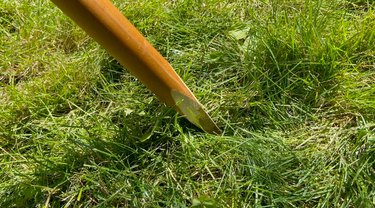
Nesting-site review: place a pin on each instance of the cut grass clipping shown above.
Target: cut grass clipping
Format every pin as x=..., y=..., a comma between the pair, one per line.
x=291, y=83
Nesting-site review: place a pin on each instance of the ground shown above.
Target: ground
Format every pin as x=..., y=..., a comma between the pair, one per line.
x=290, y=82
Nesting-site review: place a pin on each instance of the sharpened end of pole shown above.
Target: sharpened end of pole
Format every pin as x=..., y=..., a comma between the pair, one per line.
x=194, y=112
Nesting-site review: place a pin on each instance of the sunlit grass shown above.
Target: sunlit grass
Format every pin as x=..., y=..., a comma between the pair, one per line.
x=290, y=83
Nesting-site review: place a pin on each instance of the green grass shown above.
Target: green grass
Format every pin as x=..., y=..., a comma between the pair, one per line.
x=290, y=82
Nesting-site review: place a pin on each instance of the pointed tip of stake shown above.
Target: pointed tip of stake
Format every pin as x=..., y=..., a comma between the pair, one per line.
x=194, y=112
x=207, y=124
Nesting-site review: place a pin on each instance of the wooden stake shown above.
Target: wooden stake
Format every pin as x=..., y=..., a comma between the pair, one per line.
x=105, y=23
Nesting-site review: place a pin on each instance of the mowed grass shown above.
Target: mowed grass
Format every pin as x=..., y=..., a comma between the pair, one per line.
x=290, y=82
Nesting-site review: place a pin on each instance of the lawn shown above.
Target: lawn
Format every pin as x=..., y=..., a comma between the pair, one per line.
x=291, y=83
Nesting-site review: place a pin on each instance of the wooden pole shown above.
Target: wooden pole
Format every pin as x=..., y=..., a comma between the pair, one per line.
x=105, y=23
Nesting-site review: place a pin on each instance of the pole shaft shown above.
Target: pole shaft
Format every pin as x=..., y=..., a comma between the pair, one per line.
x=105, y=23
x=112, y=30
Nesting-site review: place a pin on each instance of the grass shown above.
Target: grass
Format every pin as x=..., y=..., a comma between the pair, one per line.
x=291, y=84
